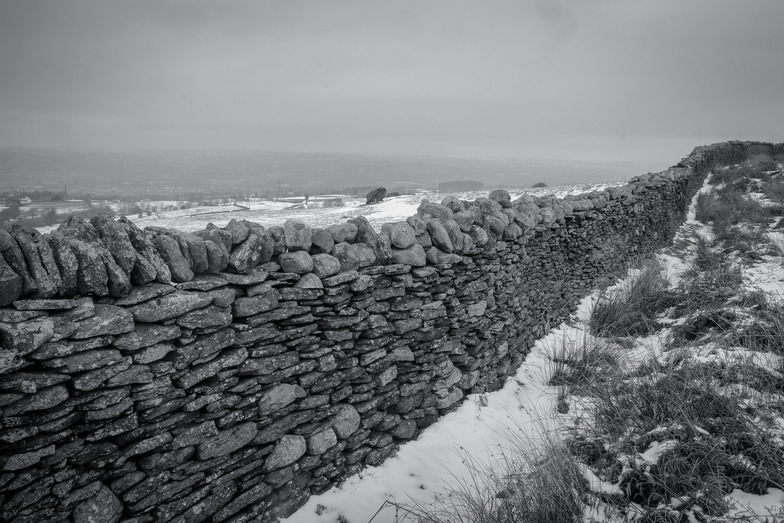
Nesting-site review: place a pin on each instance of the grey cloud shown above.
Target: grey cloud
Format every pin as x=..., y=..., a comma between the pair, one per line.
x=497, y=78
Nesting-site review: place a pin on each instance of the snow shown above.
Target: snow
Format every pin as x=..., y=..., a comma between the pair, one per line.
x=745, y=504
x=656, y=449
x=767, y=276
x=268, y=213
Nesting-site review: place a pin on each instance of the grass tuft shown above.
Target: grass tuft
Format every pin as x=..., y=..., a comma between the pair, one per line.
x=632, y=309
x=541, y=484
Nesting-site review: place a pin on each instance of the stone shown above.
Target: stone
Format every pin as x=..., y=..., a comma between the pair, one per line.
x=222, y=297
x=22, y=460
x=248, y=306
x=309, y=281
x=149, y=263
x=417, y=223
x=118, y=243
x=325, y=265
x=414, y=256
x=217, y=256
x=169, y=306
x=279, y=397
x=43, y=399
x=453, y=203
x=40, y=260
x=169, y=250
x=287, y=451
x=30, y=382
x=195, y=435
x=210, y=316
x=91, y=276
x=367, y=255
x=25, y=337
x=346, y=421
x=298, y=262
x=348, y=255
x=465, y=219
x=455, y=234
x=252, y=277
x=434, y=210
x=239, y=231
x=405, y=430
x=196, y=252
x=298, y=236
x=15, y=316
x=152, y=353
x=202, y=282
x=365, y=232
x=13, y=257
x=146, y=335
x=321, y=442
x=44, y=305
x=344, y=232
x=227, y=441
x=84, y=361
x=119, y=283
x=501, y=197
x=375, y=196
x=143, y=293
x=101, y=507
x=402, y=235
x=322, y=242
x=108, y=320
x=439, y=235
x=479, y=235
x=248, y=255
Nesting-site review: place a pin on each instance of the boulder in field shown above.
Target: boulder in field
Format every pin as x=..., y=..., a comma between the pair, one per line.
x=376, y=195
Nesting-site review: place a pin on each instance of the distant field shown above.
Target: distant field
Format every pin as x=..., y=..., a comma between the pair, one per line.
x=270, y=213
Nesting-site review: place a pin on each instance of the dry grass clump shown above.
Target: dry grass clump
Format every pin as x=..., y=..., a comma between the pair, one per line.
x=632, y=309
x=537, y=484
x=708, y=444
x=584, y=360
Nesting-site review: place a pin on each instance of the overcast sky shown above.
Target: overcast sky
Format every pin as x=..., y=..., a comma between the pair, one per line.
x=595, y=80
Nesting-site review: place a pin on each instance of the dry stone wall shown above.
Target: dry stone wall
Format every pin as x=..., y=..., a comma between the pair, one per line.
x=228, y=374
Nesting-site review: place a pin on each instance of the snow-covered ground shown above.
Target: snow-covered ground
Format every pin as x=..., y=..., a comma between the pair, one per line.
x=270, y=213
x=486, y=425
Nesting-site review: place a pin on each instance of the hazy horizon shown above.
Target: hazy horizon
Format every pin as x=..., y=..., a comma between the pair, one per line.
x=603, y=81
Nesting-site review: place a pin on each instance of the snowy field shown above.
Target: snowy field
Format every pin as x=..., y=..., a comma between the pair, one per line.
x=270, y=213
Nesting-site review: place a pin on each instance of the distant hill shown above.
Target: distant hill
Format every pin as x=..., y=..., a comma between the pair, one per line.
x=147, y=173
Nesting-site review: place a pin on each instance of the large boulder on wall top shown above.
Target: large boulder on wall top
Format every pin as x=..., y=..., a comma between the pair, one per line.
x=365, y=232
x=501, y=197
x=323, y=242
x=39, y=258
x=453, y=203
x=376, y=195
x=401, y=235
x=298, y=236
x=12, y=254
x=11, y=284
x=343, y=232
